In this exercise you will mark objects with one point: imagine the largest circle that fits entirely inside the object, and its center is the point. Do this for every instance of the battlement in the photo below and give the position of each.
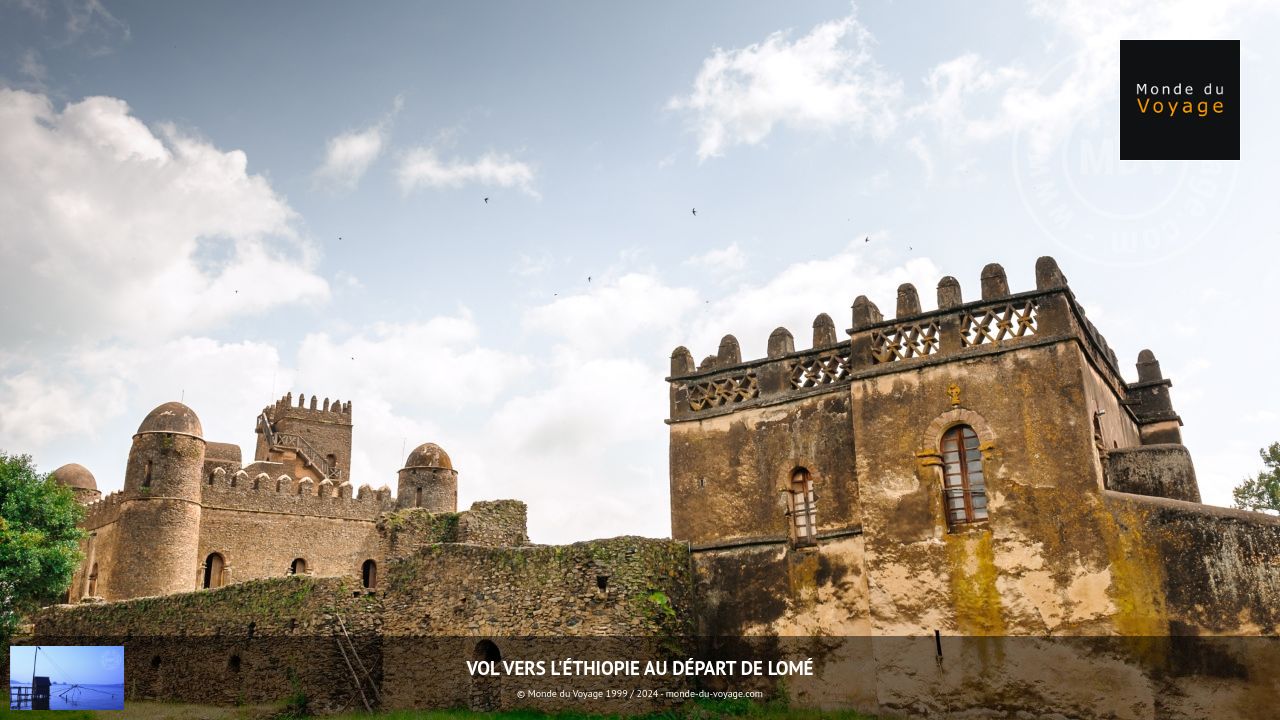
(334, 410)
(103, 511)
(284, 494)
(997, 322)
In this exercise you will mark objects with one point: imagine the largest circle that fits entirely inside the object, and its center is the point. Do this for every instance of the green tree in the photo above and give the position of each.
(1262, 492)
(39, 540)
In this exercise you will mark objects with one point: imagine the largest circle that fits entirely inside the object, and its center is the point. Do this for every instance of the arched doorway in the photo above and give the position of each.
(298, 567)
(369, 574)
(213, 567)
(486, 690)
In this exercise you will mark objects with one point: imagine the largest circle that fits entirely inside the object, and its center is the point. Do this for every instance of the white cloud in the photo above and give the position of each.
(110, 229)
(433, 365)
(348, 156)
(723, 262)
(921, 151)
(825, 80)
(422, 168)
(31, 66)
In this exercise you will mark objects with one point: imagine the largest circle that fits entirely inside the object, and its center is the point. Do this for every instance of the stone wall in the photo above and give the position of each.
(265, 544)
(1155, 470)
(256, 642)
(499, 523)
(632, 597)
(730, 474)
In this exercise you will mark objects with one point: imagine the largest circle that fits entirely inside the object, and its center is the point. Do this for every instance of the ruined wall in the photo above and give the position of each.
(500, 523)
(632, 596)
(256, 642)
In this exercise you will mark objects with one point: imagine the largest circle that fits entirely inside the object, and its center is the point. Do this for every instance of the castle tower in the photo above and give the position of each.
(159, 528)
(80, 480)
(428, 481)
(314, 438)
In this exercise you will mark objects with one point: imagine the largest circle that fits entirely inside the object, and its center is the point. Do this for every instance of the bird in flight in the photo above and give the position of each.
(486, 201)
(695, 212)
(867, 240)
(588, 278)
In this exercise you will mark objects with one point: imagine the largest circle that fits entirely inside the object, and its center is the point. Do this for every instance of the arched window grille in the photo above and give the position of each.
(964, 488)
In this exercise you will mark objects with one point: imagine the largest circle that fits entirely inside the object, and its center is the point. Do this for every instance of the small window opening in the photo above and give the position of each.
(298, 567)
(802, 508)
(233, 663)
(146, 475)
(369, 574)
(602, 582)
(93, 581)
(964, 487)
(155, 662)
(417, 497)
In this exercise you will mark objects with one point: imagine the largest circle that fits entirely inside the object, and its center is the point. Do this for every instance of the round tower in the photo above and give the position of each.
(159, 530)
(428, 481)
(80, 480)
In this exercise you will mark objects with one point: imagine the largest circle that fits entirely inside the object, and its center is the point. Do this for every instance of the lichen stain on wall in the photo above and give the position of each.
(974, 596)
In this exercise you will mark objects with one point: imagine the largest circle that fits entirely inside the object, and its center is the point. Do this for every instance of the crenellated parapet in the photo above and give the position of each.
(282, 493)
(998, 321)
(286, 407)
(103, 511)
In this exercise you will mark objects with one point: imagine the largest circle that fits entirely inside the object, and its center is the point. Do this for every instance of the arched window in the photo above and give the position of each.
(417, 497)
(963, 488)
(801, 508)
(146, 477)
(369, 574)
(213, 566)
(298, 567)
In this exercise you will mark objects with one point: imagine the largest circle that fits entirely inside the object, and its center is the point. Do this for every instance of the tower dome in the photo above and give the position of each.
(172, 417)
(429, 455)
(75, 476)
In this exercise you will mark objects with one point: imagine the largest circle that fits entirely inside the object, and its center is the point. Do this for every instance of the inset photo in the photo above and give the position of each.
(66, 677)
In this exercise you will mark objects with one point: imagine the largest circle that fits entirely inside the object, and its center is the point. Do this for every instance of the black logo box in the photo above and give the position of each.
(1187, 68)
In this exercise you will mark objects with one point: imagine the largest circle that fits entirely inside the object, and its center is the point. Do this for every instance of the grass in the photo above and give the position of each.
(692, 711)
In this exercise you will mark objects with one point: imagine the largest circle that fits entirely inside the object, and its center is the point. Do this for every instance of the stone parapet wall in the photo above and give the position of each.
(1157, 470)
(999, 320)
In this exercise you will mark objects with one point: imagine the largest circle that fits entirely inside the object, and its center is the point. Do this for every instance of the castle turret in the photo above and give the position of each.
(312, 439)
(80, 480)
(159, 528)
(428, 480)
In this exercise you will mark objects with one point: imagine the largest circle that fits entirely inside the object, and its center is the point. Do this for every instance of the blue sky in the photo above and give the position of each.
(226, 202)
(76, 664)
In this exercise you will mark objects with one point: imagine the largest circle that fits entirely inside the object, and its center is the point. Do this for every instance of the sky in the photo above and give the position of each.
(76, 664)
(474, 220)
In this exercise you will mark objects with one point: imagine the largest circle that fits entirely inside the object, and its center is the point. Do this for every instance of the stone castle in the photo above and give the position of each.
(950, 510)
(206, 520)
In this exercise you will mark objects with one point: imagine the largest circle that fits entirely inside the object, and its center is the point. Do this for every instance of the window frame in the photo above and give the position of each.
(965, 456)
(802, 503)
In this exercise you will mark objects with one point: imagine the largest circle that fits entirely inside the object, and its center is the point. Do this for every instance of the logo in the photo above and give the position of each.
(1179, 99)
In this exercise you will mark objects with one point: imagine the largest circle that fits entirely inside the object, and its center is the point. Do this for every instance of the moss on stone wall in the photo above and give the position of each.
(972, 569)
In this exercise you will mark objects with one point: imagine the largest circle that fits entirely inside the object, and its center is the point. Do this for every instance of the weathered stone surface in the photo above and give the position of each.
(1157, 470)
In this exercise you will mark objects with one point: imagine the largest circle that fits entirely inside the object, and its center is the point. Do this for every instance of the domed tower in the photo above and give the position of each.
(428, 481)
(80, 480)
(159, 528)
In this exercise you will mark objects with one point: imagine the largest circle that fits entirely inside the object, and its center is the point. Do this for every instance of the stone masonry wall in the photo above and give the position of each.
(256, 642)
(632, 597)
